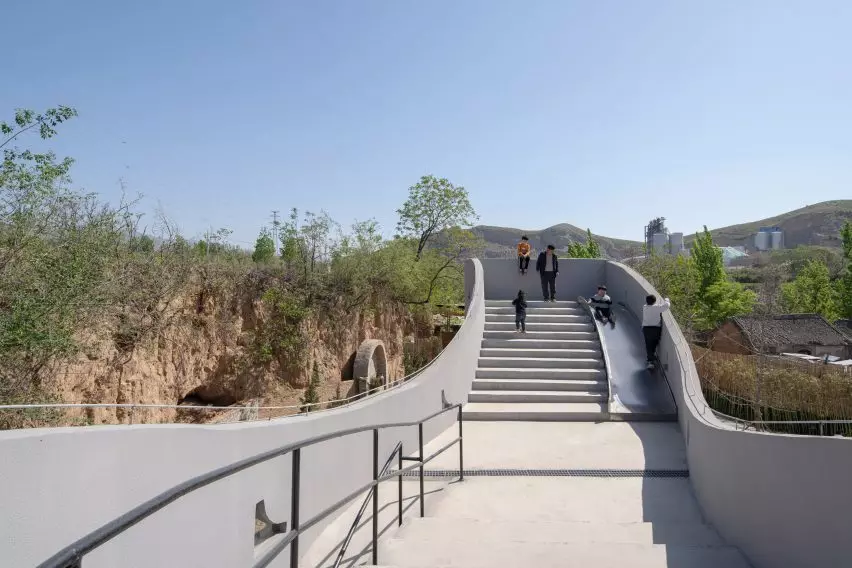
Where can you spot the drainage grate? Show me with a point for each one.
(644, 473)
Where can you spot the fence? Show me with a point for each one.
(16, 416)
(776, 394)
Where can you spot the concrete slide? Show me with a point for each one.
(637, 393)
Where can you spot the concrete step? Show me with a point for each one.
(579, 310)
(538, 385)
(586, 334)
(569, 499)
(540, 353)
(540, 326)
(499, 396)
(541, 318)
(448, 530)
(534, 304)
(493, 554)
(520, 341)
(528, 373)
(541, 362)
(535, 411)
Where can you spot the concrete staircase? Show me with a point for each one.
(554, 372)
(564, 523)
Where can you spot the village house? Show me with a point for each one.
(808, 334)
(845, 326)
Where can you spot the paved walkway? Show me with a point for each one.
(561, 520)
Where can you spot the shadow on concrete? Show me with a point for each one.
(645, 400)
(354, 557)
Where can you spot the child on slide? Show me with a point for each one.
(602, 304)
(652, 325)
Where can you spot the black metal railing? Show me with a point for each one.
(72, 556)
(345, 545)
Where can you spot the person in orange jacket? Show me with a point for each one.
(524, 250)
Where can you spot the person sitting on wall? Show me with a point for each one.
(524, 250)
(547, 266)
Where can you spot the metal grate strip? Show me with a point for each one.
(643, 473)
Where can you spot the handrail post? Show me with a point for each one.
(294, 506)
(420, 441)
(376, 496)
(821, 423)
(461, 446)
(399, 482)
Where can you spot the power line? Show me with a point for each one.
(275, 224)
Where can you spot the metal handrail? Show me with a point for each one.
(393, 384)
(607, 366)
(354, 527)
(72, 555)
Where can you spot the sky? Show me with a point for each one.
(599, 114)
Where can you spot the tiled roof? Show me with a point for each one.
(796, 329)
(845, 327)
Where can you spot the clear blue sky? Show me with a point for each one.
(600, 114)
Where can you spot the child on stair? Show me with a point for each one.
(520, 304)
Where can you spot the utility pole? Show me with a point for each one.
(275, 224)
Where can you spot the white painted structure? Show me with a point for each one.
(783, 500)
(676, 243)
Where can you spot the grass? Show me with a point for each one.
(758, 388)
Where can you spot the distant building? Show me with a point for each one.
(769, 238)
(808, 334)
(730, 254)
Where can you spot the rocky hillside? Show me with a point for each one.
(208, 355)
(501, 241)
(817, 225)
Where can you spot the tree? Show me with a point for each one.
(722, 300)
(311, 396)
(142, 243)
(589, 249)
(433, 205)
(264, 247)
(708, 261)
(811, 292)
(592, 246)
(845, 282)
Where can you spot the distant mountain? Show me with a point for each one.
(501, 241)
(817, 224)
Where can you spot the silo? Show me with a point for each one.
(762, 240)
(660, 240)
(777, 240)
(676, 243)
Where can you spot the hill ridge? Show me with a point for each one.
(816, 225)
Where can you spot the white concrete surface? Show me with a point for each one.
(323, 552)
(562, 521)
(57, 485)
(575, 445)
(545, 377)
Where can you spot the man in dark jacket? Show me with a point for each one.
(547, 267)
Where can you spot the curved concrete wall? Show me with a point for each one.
(56, 485)
(784, 500)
